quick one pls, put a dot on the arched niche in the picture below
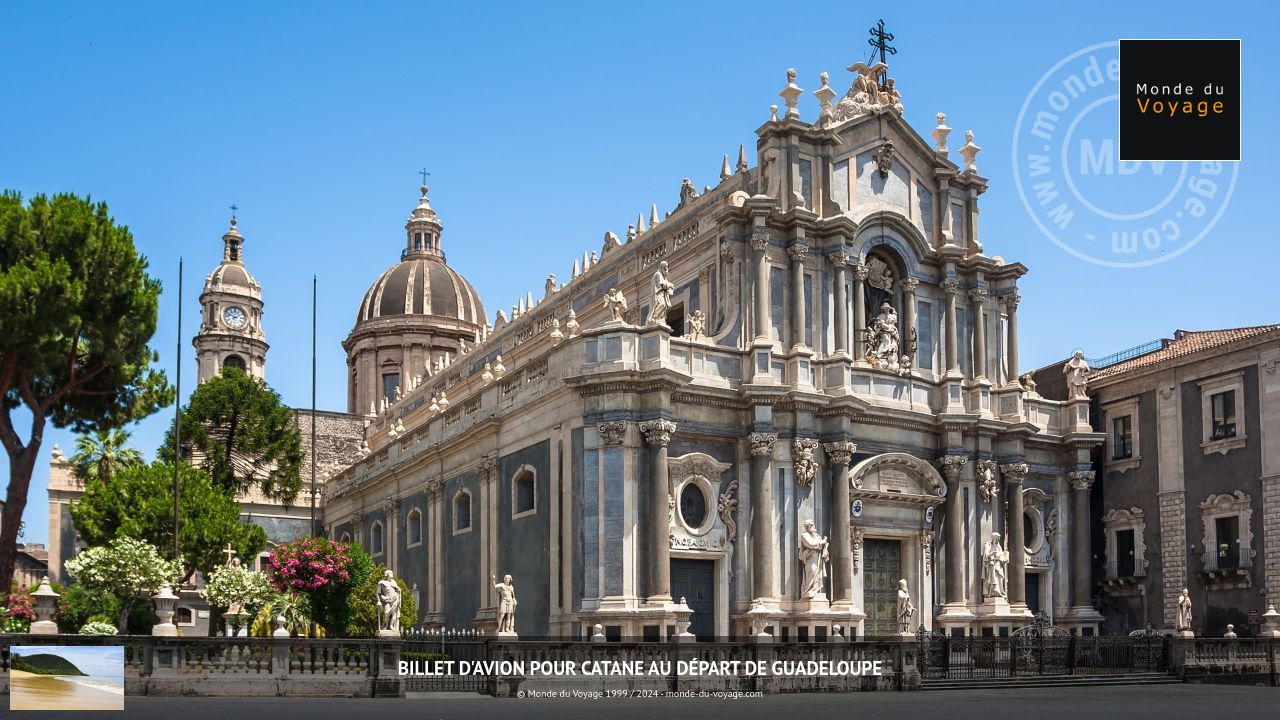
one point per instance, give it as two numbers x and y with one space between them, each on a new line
898 474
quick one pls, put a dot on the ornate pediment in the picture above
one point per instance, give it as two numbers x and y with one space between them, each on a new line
898 474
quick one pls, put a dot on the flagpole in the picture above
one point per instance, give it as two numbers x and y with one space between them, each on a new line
177 418
313 406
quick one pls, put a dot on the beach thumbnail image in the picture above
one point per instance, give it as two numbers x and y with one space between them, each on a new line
59 677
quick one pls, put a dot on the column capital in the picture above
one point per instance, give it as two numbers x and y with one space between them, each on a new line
762 443
657 432
1014 472
391 506
759 238
796 251
908 284
358 520
977 294
839 258
951 286
1011 302
860 272
434 486
806 468
1081 479
953 465
840 452
488 468
613 432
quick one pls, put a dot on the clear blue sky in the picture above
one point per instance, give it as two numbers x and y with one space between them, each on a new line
544 125
101 661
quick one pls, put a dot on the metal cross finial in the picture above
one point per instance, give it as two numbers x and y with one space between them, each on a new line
879 42
233 211
423 172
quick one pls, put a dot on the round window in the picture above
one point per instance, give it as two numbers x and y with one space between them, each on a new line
693 506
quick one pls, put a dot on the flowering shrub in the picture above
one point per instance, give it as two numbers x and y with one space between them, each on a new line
237 588
325 572
127 568
15 625
98 628
20 604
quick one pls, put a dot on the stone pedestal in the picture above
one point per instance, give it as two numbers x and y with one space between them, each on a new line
955 616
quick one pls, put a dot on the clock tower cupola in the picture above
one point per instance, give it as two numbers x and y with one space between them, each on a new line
231 315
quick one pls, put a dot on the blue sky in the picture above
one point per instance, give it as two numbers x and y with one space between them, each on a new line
108 660
543 126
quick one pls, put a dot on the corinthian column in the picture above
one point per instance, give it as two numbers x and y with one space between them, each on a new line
1081 580
763 544
976 297
952 467
657 433
1013 475
796 252
1011 310
840 453
840 261
860 273
760 241
909 286
951 287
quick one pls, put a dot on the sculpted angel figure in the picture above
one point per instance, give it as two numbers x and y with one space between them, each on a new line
617 304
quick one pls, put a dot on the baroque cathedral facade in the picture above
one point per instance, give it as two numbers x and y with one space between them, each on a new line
795 390
772 406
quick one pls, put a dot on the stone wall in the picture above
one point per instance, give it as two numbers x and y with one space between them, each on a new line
1173 551
338 438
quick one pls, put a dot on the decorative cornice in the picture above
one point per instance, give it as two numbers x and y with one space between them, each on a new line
840 452
762 443
1081 479
657 432
612 433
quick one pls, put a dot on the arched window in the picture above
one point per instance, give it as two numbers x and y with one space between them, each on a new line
524 492
461 512
414 527
345 539
375 538
234 361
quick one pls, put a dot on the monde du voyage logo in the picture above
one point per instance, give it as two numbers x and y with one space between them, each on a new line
1124 151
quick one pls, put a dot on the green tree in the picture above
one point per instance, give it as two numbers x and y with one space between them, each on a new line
138 504
101 453
242 435
77 310
127 568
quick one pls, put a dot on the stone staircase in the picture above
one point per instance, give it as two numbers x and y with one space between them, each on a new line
1040 681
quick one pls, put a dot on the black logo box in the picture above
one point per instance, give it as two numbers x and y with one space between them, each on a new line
1161 77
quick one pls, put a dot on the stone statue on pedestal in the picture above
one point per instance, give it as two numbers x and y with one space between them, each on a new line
883 348
814 553
506 605
1184 611
906 609
663 290
995 560
617 304
388 605
1077 372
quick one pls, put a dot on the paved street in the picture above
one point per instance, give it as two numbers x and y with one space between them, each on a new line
1165 702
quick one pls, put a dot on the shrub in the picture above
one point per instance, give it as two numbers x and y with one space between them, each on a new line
326 573
98 628
79 605
16 625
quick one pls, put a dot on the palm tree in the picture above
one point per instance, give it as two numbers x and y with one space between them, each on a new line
102 454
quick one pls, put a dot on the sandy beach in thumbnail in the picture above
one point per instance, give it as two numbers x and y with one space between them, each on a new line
28 691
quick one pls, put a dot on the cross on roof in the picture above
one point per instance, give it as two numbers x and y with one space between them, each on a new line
229 551
423 172
879 42
233 210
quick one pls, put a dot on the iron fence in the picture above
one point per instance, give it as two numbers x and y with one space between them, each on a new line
1041 654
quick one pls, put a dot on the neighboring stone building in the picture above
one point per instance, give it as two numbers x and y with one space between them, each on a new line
819 337
32 564
1190 479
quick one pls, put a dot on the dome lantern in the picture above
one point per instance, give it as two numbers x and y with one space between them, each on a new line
423 230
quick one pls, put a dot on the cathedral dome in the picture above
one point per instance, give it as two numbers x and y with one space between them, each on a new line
422 285
230 274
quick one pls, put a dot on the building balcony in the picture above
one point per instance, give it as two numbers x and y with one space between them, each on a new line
1125 577
1228 568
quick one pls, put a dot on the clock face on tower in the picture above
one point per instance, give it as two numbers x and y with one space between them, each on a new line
234 317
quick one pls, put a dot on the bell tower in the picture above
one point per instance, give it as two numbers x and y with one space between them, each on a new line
231 315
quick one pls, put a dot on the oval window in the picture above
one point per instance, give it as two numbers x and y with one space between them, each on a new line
693 506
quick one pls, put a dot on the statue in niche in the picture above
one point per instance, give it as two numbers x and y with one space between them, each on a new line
388 605
616 302
906 609
1184 611
815 555
663 290
1077 372
995 561
506 604
882 351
